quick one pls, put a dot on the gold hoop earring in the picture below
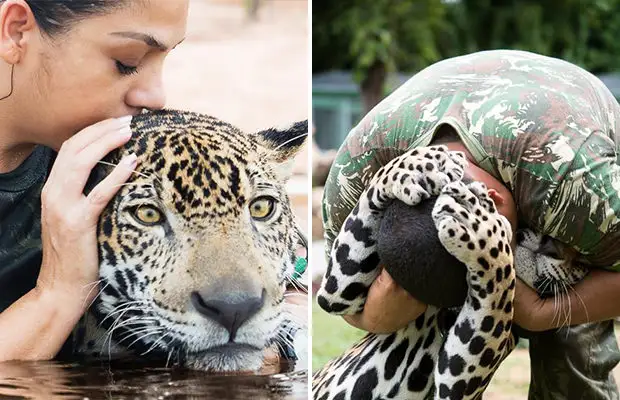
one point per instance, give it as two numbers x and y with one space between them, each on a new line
11 91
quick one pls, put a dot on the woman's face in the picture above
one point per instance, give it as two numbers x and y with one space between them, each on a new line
105 66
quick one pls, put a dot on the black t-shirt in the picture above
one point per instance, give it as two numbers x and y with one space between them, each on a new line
20 225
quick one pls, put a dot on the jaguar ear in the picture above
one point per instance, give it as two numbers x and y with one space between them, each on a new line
282 144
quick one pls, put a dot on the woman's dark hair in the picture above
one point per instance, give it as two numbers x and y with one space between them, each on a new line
57 16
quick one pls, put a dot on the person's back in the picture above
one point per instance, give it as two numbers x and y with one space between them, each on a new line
530 121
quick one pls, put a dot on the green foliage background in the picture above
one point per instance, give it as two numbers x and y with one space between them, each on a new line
408 35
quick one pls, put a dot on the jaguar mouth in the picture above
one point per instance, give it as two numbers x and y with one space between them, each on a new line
229 349
231 357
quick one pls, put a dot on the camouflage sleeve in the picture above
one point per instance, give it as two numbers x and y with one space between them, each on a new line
343 189
584 209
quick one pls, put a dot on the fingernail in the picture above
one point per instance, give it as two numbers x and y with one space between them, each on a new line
125 131
130 160
125 121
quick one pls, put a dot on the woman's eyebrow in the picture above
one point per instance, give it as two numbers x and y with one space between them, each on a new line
146 38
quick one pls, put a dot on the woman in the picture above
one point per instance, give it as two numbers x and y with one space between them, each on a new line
72 72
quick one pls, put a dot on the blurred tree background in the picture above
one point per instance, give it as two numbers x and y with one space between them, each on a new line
375 37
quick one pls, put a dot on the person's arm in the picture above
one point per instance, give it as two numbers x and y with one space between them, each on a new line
596 298
388 307
36 326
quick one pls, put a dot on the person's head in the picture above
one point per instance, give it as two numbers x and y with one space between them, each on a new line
75 62
501 195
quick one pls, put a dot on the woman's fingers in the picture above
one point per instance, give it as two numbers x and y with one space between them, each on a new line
101 195
72 168
92 133
88 158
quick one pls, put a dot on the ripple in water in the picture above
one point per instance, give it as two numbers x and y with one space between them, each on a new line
53 380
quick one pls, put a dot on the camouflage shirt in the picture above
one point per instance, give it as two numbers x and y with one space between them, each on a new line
546 128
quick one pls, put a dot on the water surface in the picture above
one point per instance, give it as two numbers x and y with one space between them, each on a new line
54 380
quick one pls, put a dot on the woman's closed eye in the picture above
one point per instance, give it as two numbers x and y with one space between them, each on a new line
125 69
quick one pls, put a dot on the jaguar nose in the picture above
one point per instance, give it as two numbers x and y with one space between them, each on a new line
230 310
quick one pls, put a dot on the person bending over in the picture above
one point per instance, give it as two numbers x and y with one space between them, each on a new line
543 135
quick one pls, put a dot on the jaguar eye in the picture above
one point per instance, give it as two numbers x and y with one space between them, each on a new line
262 208
148 215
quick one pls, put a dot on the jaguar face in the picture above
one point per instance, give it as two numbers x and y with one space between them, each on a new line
196 249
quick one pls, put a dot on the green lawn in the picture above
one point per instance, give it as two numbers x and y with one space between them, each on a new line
330 336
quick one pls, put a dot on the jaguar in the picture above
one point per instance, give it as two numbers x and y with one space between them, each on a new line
446 353
198 248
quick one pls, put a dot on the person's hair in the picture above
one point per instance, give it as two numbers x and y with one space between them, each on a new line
58 16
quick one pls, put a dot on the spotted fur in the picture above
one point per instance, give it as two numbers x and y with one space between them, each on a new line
545 265
445 353
410 178
204 287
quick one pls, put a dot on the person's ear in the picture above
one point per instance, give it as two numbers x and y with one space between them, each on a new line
16 19
497 198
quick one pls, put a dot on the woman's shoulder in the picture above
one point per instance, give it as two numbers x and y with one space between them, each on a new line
34 170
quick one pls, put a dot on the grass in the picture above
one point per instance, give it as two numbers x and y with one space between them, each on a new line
330 336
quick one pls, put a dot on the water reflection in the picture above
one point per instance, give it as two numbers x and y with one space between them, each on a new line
52 380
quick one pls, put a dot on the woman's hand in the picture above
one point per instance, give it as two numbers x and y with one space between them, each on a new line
388 307
69 218
36 326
